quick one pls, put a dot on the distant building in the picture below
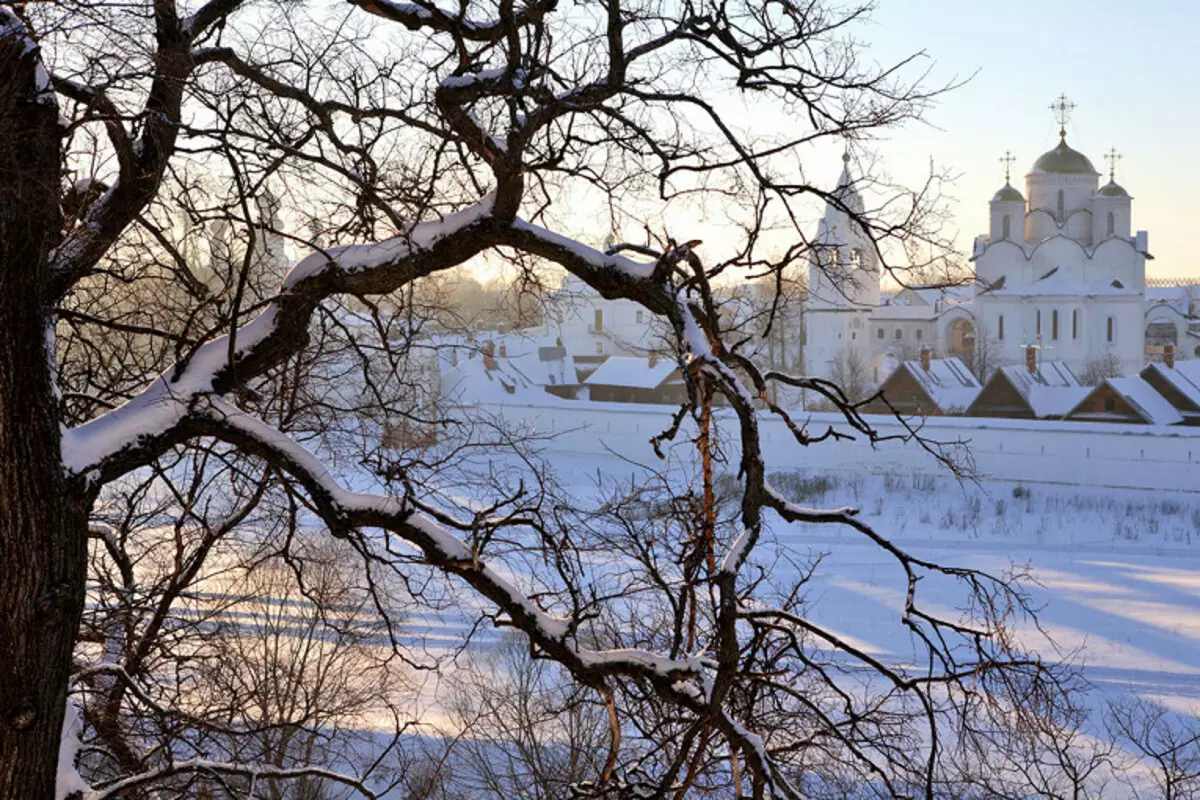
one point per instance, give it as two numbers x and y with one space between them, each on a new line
623 379
927 387
1131 400
593 327
1060 269
1046 390
1179 383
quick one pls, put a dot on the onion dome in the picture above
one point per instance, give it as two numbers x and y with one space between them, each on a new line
1008 194
1111 189
1063 160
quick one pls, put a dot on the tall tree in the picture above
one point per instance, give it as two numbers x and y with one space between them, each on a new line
419 137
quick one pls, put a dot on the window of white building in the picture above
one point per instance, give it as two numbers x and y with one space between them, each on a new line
1038 329
1007 227
920 334
1075 323
879 333
899 333
1112 330
1062 205
1000 328
1054 324
1112 223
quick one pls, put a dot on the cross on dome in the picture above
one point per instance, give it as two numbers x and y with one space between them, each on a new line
1062 108
1112 157
1007 160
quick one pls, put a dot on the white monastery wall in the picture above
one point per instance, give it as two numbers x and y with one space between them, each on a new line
1024 451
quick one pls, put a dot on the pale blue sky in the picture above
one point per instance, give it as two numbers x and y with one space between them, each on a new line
1132 68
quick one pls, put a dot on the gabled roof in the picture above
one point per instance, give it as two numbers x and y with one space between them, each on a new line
948 382
1148 404
1051 391
1184 377
633 373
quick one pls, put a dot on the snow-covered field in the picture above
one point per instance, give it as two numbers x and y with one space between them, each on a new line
1116 573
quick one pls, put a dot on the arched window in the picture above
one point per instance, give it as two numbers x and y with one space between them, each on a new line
1112 329
1000 328
1062 205
1075 323
1112 224
1007 226
1054 324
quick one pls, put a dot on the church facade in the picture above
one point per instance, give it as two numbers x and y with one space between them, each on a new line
1060 270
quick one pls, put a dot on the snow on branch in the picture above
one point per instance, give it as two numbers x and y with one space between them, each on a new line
417 236
165 404
253 771
341 507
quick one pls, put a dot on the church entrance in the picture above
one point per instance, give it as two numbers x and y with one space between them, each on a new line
960 339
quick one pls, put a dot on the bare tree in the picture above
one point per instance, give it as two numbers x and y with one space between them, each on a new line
417 138
1099 368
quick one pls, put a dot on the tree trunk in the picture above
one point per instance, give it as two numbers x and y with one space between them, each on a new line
43 533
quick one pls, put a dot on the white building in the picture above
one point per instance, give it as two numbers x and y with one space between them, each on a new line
1063 270
1060 270
592 327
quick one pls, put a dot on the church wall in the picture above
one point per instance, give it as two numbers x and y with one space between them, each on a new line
1015 211
1042 190
1122 218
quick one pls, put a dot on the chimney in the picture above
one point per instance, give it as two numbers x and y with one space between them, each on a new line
925 358
1169 355
1031 358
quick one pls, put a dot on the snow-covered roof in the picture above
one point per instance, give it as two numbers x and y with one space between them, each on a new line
1058 281
1184 377
519 364
948 382
935 295
902 312
1151 406
1179 298
633 373
1051 391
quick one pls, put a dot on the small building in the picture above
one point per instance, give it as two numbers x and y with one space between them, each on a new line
1178 382
1029 391
931 386
625 379
1131 400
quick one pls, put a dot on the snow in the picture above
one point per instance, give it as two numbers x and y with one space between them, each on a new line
1060 282
902 312
1184 377
68 780
633 373
1150 405
595 258
1051 391
948 382
417 236
462 81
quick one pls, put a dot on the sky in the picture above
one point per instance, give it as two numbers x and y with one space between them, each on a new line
1131 68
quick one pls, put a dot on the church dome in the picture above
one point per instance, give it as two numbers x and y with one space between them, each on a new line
1063 160
1111 189
1008 194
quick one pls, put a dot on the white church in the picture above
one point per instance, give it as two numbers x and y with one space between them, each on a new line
1060 270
